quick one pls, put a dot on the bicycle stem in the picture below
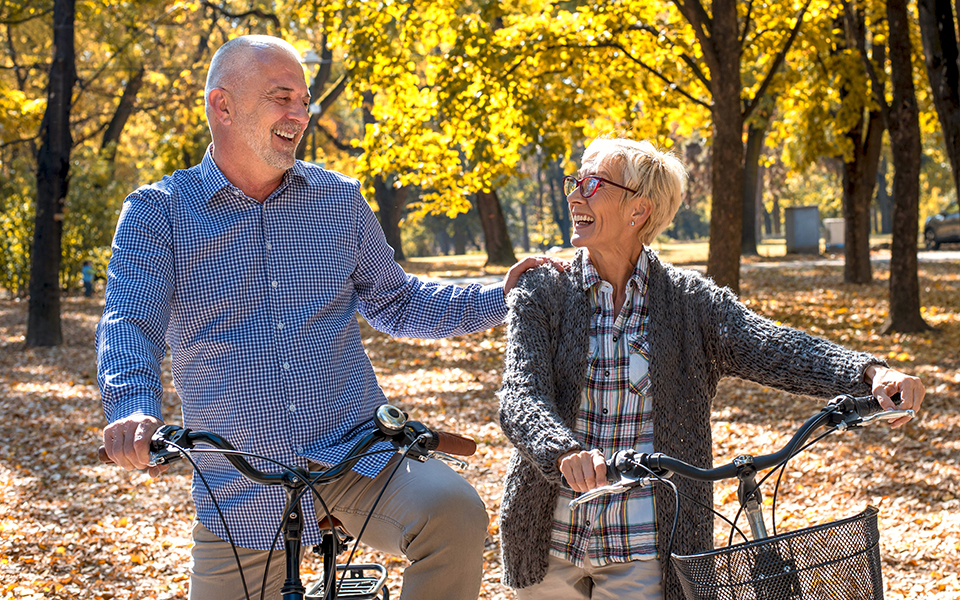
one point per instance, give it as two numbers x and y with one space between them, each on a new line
750 496
293 485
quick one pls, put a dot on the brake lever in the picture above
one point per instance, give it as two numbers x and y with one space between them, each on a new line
453 461
625 484
166 443
889 415
855 420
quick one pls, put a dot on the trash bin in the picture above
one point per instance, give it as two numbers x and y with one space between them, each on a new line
834 234
802 225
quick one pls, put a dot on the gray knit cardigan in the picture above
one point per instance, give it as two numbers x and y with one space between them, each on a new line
698 334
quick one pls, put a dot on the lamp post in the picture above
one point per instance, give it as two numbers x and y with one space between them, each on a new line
311 59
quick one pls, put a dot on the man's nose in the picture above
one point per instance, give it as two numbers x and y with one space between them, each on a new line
299 112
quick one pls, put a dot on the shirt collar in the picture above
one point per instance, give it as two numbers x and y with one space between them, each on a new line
213 180
638 279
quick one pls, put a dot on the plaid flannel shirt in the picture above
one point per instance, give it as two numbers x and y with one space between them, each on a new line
615 413
257 302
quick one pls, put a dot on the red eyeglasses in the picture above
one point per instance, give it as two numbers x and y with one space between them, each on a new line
588 185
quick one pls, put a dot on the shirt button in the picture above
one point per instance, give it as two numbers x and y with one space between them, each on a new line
269 246
586 523
279 325
274 283
286 366
605 411
606 373
293 408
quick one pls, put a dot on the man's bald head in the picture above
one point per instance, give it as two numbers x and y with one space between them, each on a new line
232 62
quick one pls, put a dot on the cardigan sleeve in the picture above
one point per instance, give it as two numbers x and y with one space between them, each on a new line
755 348
528 404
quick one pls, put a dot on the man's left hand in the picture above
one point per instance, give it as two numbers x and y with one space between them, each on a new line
531 262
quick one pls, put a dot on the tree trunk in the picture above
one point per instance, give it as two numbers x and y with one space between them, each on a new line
942 58
904 127
111 137
859 177
726 222
525 231
459 235
884 201
495 235
751 185
53 169
860 174
561 212
391 201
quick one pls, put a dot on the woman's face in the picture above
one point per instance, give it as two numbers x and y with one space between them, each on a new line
600 222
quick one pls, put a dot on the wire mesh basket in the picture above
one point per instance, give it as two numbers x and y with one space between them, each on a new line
836 560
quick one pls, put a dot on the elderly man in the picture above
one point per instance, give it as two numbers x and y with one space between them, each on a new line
251 267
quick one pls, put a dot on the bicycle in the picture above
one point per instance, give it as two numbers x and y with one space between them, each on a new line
838 559
411 439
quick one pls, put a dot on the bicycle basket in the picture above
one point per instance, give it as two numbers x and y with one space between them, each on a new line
840 559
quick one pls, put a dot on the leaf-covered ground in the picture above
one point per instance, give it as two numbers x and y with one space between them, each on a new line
70 528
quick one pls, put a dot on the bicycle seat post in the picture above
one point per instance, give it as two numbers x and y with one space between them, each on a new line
293 484
749 495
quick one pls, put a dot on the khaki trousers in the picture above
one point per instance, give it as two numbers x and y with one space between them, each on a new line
428 513
637 580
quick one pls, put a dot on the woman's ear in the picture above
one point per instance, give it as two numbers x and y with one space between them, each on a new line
642 210
221 106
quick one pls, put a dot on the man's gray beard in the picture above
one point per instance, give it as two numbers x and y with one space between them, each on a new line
261 147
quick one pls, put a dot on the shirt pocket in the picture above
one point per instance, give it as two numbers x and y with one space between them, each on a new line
639 375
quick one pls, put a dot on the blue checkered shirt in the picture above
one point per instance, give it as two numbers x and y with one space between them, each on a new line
258 302
615 414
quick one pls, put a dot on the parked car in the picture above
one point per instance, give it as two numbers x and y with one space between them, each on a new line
942 228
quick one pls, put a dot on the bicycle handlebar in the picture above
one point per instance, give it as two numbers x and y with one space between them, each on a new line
410 437
633 469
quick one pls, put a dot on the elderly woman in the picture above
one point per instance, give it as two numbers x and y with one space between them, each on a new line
625 351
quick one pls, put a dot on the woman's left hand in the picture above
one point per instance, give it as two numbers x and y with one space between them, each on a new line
887 382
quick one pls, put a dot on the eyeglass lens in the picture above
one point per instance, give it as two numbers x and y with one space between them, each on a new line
588 185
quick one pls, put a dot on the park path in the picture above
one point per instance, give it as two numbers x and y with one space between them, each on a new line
882 261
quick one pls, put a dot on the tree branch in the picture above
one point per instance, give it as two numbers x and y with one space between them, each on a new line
344 147
686 58
746 26
854 29
673 86
777 61
15 21
256 12
19 141
702 26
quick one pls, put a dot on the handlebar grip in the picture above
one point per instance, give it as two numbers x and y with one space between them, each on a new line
102 455
451 443
866 406
869 405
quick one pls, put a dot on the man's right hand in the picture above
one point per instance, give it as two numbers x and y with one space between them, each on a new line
127 442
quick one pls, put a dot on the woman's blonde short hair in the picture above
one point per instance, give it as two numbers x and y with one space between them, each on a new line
656 175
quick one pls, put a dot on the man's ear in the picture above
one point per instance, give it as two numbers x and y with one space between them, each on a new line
221 105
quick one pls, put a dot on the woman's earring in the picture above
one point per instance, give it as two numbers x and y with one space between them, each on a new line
632 223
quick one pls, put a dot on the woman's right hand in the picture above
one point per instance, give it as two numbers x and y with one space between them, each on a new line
584 469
